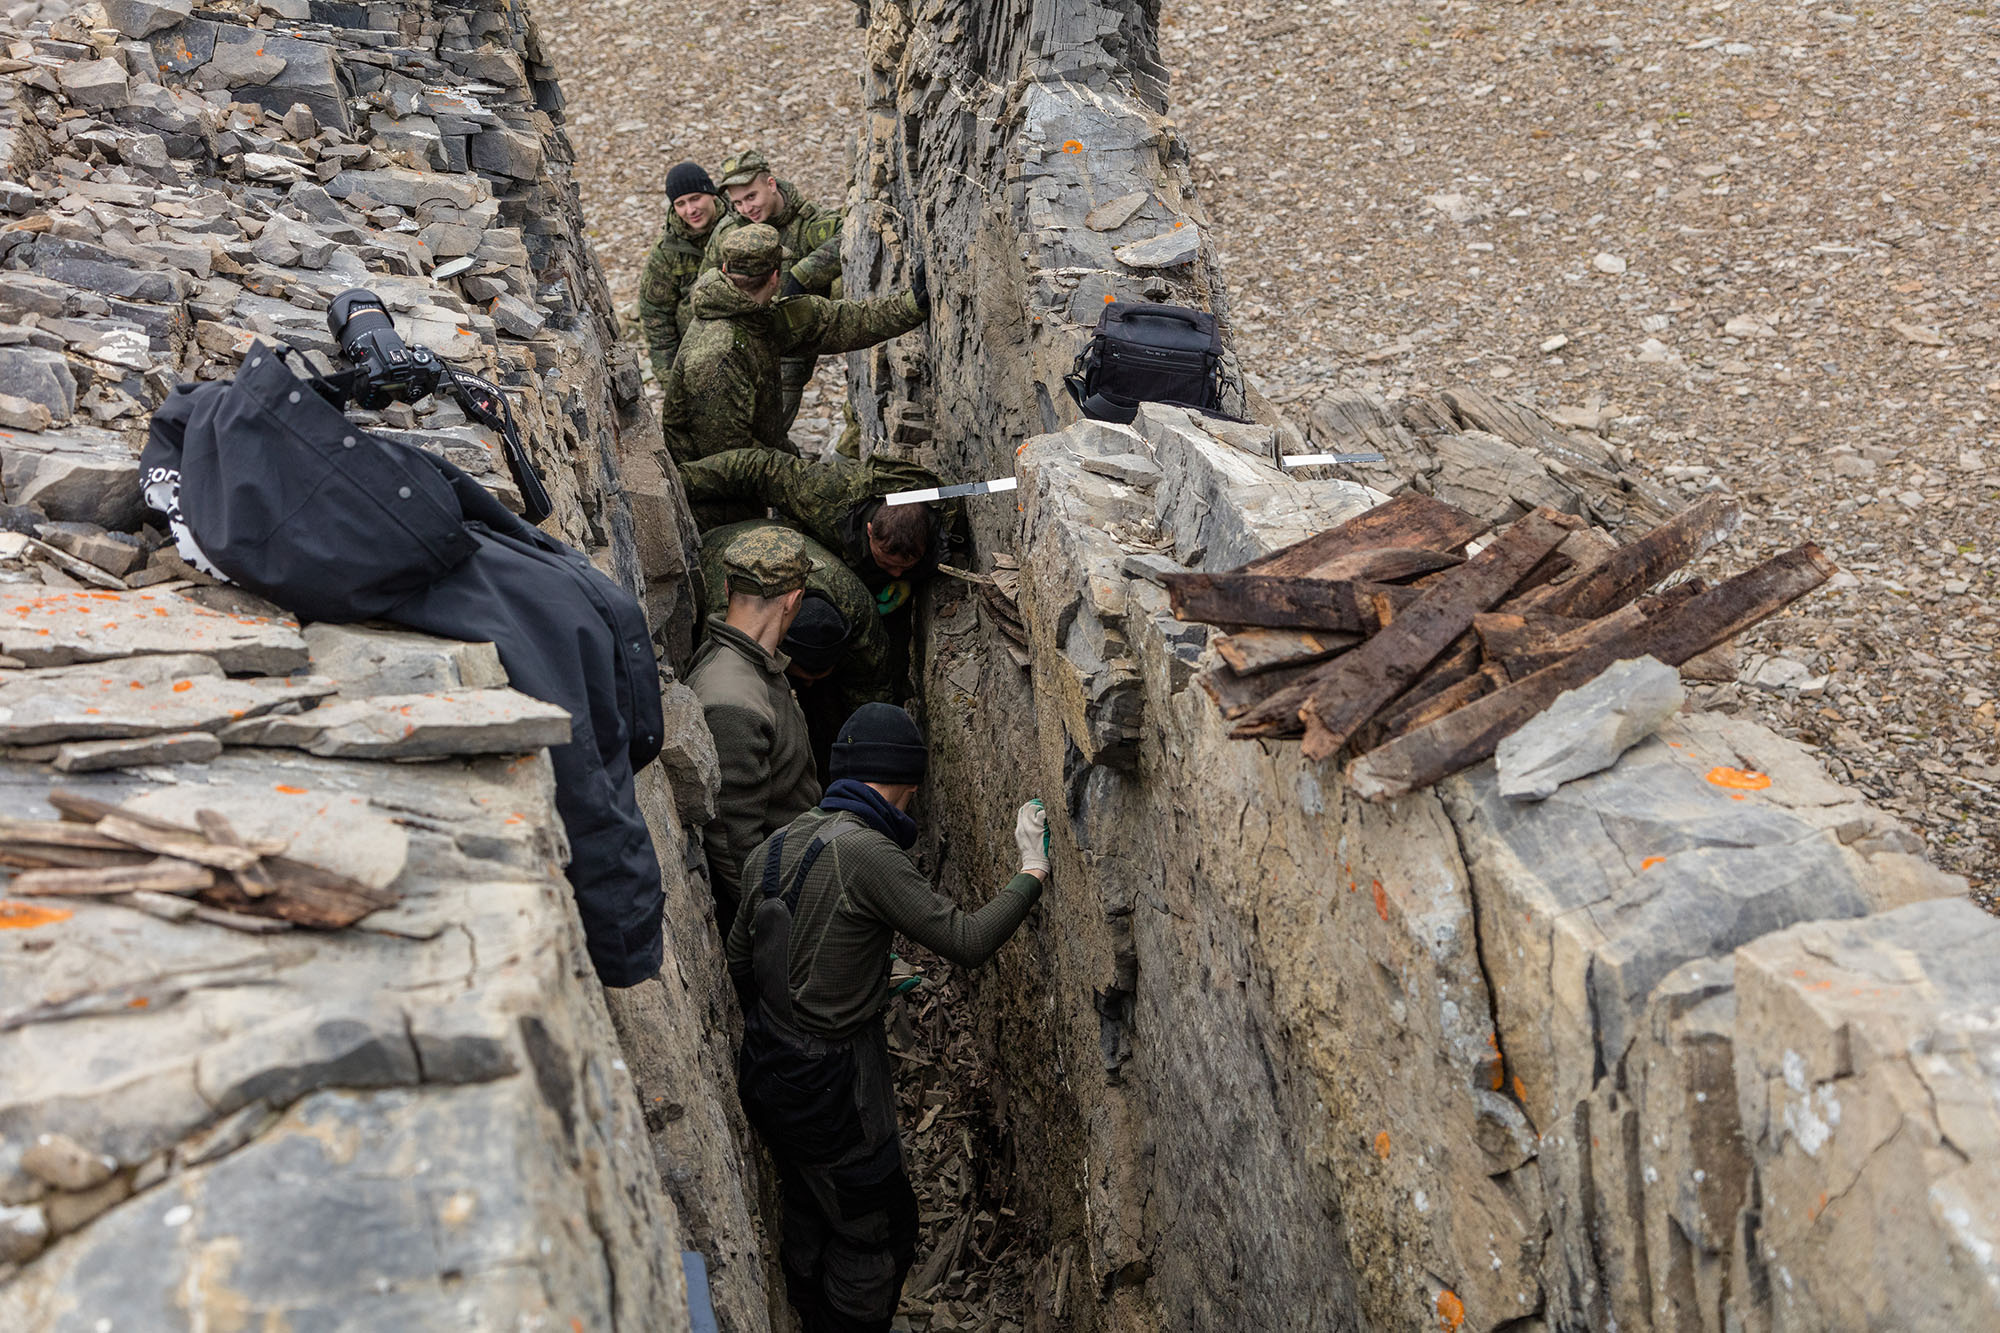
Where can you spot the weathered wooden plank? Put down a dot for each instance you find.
(1442, 679)
(185, 846)
(1236, 694)
(1408, 520)
(1590, 633)
(1253, 650)
(1353, 687)
(1386, 564)
(1272, 602)
(1510, 633)
(161, 875)
(1632, 569)
(1470, 734)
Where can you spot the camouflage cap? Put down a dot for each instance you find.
(752, 250)
(743, 168)
(769, 562)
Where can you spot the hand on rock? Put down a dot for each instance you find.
(1031, 836)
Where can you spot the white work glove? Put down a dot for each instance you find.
(1031, 836)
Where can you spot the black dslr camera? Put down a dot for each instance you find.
(389, 370)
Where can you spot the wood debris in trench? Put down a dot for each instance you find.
(103, 851)
(1384, 638)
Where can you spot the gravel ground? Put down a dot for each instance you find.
(1756, 239)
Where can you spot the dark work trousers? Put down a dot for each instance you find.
(826, 1108)
(850, 1216)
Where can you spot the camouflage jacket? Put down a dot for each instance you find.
(811, 236)
(671, 268)
(723, 390)
(831, 501)
(863, 675)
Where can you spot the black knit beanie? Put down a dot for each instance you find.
(880, 744)
(817, 639)
(688, 178)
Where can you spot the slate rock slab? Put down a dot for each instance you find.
(74, 475)
(364, 660)
(63, 628)
(39, 376)
(414, 726)
(1587, 728)
(143, 18)
(139, 696)
(1167, 250)
(180, 747)
(1111, 216)
(335, 830)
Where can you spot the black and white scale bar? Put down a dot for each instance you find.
(950, 492)
(1312, 460)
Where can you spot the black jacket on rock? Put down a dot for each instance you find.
(299, 505)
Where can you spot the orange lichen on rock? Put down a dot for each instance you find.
(1450, 1311)
(1744, 779)
(16, 915)
(1382, 1145)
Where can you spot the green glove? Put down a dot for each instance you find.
(893, 595)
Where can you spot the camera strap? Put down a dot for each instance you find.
(487, 404)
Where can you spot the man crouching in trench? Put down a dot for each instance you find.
(809, 952)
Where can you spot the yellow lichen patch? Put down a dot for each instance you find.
(16, 915)
(457, 1209)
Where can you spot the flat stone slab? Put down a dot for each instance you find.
(364, 660)
(1115, 214)
(1587, 728)
(61, 628)
(139, 696)
(180, 747)
(335, 830)
(414, 726)
(1169, 249)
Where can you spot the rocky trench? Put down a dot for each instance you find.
(1645, 1054)
(1650, 1054)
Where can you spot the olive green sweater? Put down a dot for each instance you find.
(860, 893)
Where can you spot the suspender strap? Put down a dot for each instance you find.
(771, 926)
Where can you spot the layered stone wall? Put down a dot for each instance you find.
(436, 1118)
(1655, 1053)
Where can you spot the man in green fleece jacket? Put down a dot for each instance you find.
(768, 777)
(826, 895)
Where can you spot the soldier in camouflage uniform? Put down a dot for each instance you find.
(696, 206)
(723, 391)
(837, 502)
(810, 236)
(863, 674)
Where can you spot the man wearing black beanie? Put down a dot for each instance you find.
(824, 898)
(674, 264)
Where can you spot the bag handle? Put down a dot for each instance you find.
(1172, 313)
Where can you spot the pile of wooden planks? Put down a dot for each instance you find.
(1384, 638)
(103, 851)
